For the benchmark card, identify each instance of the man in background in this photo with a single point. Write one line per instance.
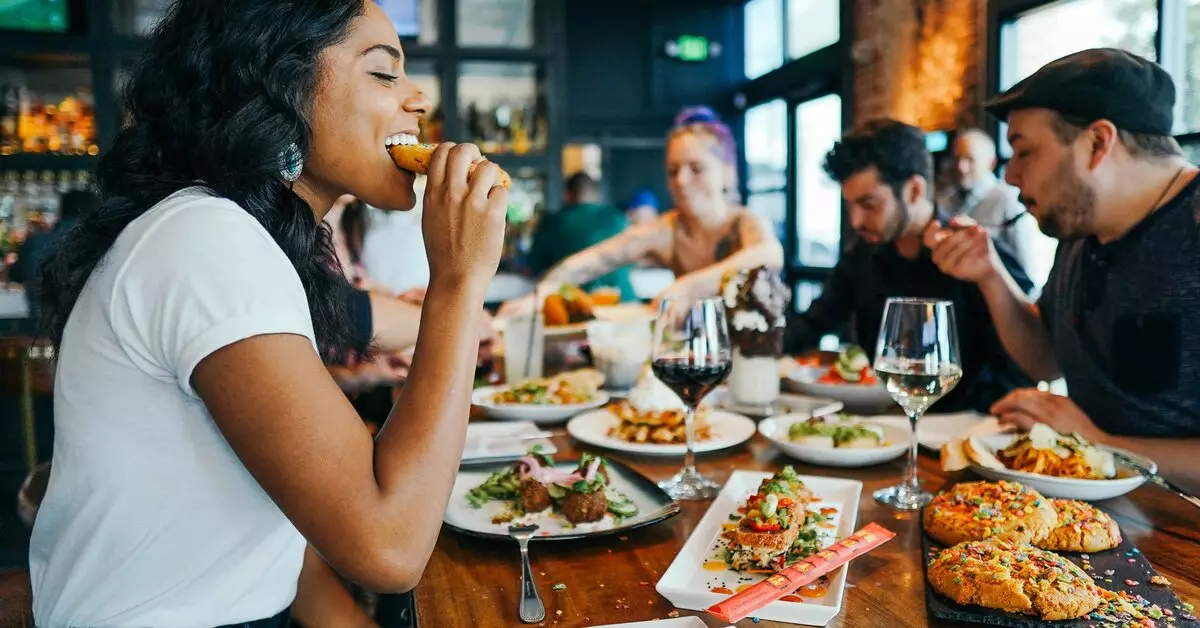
(583, 221)
(977, 193)
(886, 175)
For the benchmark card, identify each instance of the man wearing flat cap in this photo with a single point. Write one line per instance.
(1119, 318)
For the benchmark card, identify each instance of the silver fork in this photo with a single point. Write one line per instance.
(532, 610)
(1155, 478)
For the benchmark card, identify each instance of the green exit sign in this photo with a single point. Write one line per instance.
(692, 48)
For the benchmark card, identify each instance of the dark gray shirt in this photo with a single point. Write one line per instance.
(1125, 322)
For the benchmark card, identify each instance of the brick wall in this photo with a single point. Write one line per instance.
(921, 61)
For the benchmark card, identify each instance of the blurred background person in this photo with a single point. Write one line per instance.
(583, 221)
(642, 208)
(705, 236)
(977, 193)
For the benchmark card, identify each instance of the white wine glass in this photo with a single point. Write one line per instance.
(917, 360)
(692, 355)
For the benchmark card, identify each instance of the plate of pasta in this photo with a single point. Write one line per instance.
(1057, 465)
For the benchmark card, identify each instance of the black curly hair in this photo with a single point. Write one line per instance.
(224, 88)
(897, 150)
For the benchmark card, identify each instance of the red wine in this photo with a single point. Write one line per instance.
(692, 381)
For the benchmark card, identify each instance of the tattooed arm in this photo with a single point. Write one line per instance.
(628, 247)
(759, 247)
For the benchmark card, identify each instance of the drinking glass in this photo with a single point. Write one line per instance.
(692, 355)
(917, 360)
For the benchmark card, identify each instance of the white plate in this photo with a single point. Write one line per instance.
(935, 430)
(535, 412)
(654, 505)
(1068, 488)
(687, 584)
(726, 430)
(793, 404)
(775, 429)
(857, 397)
(495, 442)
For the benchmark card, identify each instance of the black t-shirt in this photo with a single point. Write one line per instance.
(1125, 322)
(868, 275)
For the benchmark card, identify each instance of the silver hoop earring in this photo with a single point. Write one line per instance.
(292, 163)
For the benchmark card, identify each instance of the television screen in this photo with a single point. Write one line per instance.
(34, 15)
(405, 15)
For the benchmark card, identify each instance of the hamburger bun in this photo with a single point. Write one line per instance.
(415, 158)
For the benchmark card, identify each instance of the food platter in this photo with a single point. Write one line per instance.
(695, 581)
(895, 443)
(652, 505)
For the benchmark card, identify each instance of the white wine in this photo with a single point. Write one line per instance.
(914, 385)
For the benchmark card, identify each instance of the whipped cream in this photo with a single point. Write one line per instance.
(651, 395)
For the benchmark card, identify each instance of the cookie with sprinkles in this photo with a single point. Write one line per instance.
(1014, 577)
(1081, 528)
(975, 511)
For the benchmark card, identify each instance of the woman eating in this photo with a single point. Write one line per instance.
(199, 439)
(706, 235)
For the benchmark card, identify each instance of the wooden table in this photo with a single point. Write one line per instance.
(474, 582)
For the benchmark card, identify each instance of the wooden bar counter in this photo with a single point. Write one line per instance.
(475, 582)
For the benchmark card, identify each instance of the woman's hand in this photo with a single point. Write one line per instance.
(1022, 408)
(464, 216)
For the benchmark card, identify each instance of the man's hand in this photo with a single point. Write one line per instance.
(1027, 406)
(962, 250)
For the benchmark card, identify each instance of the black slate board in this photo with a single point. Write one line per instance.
(1117, 560)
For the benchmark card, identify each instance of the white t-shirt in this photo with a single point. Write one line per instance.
(150, 519)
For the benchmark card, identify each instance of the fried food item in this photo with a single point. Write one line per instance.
(415, 158)
(579, 507)
(775, 515)
(579, 304)
(1081, 528)
(555, 312)
(534, 495)
(974, 511)
(1014, 577)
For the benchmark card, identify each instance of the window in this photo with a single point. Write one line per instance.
(818, 198)
(766, 162)
(1036, 37)
(764, 36)
(811, 26)
(495, 23)
(782, 30)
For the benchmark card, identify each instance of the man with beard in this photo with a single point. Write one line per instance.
(1119, 318)
(885, 173)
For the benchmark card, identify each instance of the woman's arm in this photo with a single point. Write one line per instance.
(760, 247)
(372, 508)
(623, 249)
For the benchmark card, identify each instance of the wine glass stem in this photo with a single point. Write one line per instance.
(911, 483)
(689, 459)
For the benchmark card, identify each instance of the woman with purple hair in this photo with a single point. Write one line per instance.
(708, 233)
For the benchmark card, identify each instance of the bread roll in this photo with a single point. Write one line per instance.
(416, 157)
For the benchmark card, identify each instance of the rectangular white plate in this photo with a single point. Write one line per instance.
(687, 584)
(495, 441)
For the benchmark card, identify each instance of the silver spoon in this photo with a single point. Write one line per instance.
(532, 610)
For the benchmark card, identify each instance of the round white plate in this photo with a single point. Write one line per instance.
(726, 430)
(803, 379)
(775, 429)
(1068, 488)
(786, 404)
(535, 412)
